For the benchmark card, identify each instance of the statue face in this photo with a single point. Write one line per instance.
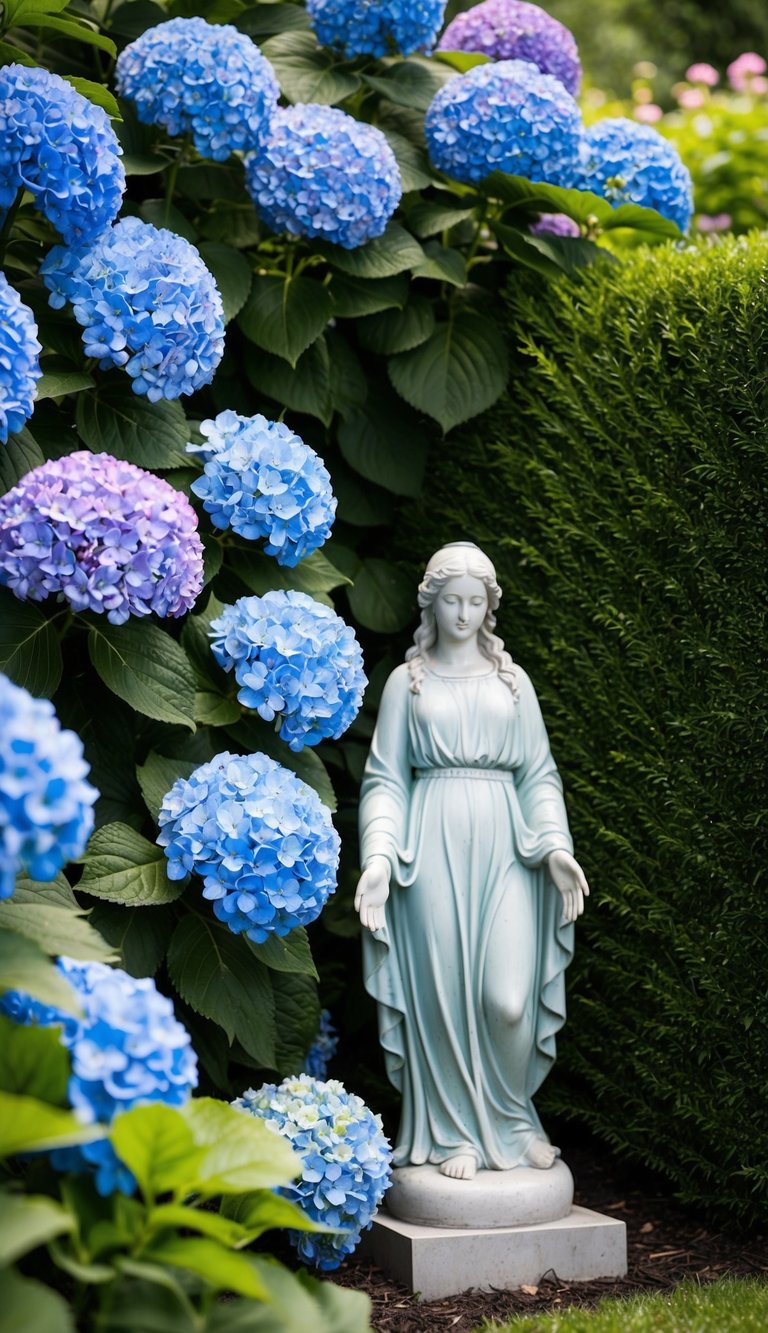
(460, 608)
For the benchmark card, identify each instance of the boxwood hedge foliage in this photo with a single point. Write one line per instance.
(622, 489)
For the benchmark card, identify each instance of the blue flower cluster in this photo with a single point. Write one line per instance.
(377, 27)
(505, 117)
(261, 840)
(147, 303)
(346, 1160)
(261, 480)
(294, 659)
(19, 360)
(46, 805)
(323, 1048)
(630, 163)
(60, 147)
(104, 535)
(516, 30)
(203, 79)
(127, 1050)
(322, 173)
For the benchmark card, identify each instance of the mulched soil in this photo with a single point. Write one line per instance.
(665, 1243)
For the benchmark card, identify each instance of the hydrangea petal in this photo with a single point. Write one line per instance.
(377, 27)
(629, 163)
(516, 30)
(19, 360)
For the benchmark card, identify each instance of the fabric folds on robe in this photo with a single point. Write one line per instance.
(461, 794)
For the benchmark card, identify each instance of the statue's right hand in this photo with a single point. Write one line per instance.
(372, 893)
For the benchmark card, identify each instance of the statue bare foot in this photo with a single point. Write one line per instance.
(461, 1167)
(541, 1154)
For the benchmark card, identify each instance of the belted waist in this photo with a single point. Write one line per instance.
(495, 774)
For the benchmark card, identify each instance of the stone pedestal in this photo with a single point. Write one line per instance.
(422, 1194)
(436, 1262)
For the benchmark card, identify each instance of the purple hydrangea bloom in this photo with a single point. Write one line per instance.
(322, 173)
(377, 27)
(19, 360)
(346, 1160)
(147, 303)
(127, 1050)
(629, 163)
(555, 224)
(295, 660)
(104, 535)
(261, 480)
(505, 117)
(261, 840)
(46, 805)
(60, 147)
(516, 30)
(203, 79)
(323, 1048)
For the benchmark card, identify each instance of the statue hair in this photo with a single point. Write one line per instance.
(448, 563)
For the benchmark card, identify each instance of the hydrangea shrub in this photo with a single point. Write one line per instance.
(19, 360)
(262, 481)
(127, 1049)
(146, 303)
(203, 79)
(517, 30)
(60, 147)
(46, 804)
(377, 27)
(260, 839)
(629, 163)
(321, 173)
(323, 1048)
(103, 535)
(294, 660)
(346, 1159)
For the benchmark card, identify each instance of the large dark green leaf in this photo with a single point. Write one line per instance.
(147, 668)
(284, 315)
(315, 574)
(394, 252)
(19, 456)
(299, 1009)
(26, 1223)
(307, 72)
(24, 967)
(353, 297)
(297, 1302)
(581, 205)
(265, 20)
(57, 383)
(382, 441)
(32, 1307)
(411, 83)
(140, 934)
(305, 388)
(550, 255)
(57, 929)
(288, 954)
(33, 1062)
(398, 330)
(382, 597)
(115, 420)
(413, 163)
(29, 1125)
(231, 273)
(121, 866)
(428, 218)
(29, 646)
(443, 264)
(460, 371)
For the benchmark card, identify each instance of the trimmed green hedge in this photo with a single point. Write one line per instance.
(622, 489)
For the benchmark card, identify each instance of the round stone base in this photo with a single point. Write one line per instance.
(521, 1197)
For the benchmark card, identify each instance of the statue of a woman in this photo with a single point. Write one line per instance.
(469, 887)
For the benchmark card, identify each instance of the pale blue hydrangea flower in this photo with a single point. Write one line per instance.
(346, 1160)
(60, 147)
(322, 173)
(127, 1050)
(516, 30)
(146, 303)
(103, 535)
(630, 163)
(323, 1048)
(377, 27)
(46, 805)
(261, 480)
(505, 117)
(19, 360)
(295, 660)
(260, 839)
(203, 79)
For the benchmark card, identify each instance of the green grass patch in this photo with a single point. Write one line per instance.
(730, 1306)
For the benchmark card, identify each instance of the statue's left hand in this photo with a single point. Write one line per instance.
(570, 879)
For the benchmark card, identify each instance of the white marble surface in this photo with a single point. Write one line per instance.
(493, 1199)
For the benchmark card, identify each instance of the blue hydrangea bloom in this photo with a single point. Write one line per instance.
(46, 805)
(60, 147)
(294, 659)
(323, 1048)
(377, 27)
(146, 302)
(261, 480)
(630, 163)
(19, 360)
(127, 1050)
(103, 535)
(346, 1160)
(505, 117)
(261, 840)
(203, 79)
(516, 30)
(322, 173)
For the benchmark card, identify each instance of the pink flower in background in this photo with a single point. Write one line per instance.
(691, 98)
(702, 73)
(649, 113)
(759, 84)
(742, 70)
(711, 222)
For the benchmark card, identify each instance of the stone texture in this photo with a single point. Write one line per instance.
(493, 1199)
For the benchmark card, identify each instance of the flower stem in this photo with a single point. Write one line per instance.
(8, 221)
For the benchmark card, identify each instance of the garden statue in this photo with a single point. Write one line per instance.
(469, 889)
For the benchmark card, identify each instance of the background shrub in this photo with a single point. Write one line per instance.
(621, 487)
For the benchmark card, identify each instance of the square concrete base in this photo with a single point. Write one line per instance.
(439, 1261)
